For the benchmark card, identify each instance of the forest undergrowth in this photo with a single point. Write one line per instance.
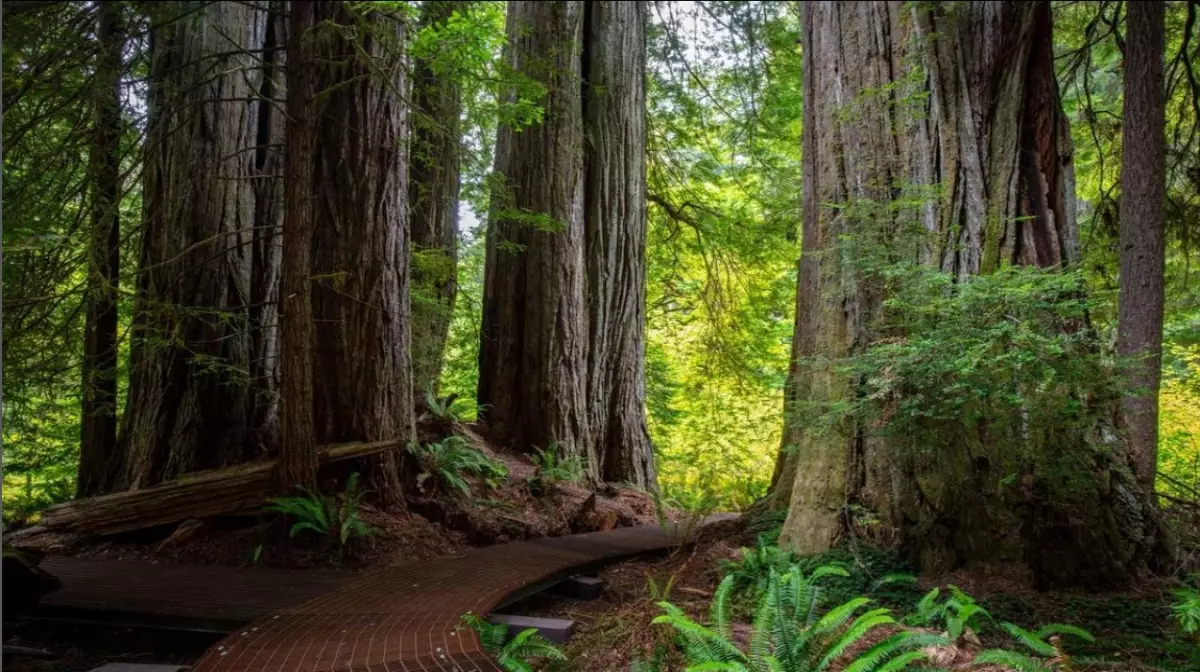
(655, 614)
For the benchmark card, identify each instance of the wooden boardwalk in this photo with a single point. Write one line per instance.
(398, 619)
(187, 597)
(408, 618)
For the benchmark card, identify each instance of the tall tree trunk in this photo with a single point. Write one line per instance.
(961, 97)
(268, 223)
(1143, 194)
(614, 60)
(360, 281)
(779, 494)
(533, 355)
(433, 188)
(98, 458)
(188, 392)
(297, 440)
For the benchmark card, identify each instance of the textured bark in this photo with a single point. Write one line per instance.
(188, 392)
(533, 355)
(362, 339)
(614, 60)
(433, 188)
(268, 225)
(297, 444)
(1143, 194)
(197, 495)
(99, 461)
(981, 120)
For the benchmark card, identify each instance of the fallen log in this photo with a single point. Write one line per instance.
(200, 494)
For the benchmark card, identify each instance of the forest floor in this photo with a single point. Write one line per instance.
(435, 522)
(1133, 628)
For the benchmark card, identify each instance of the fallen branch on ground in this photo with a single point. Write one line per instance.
(200, 494)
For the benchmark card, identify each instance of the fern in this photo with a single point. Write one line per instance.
(1018, 662)
(752, 572)
(334, 517)
(1186, 610)
(787, 635)
(551, 467)
(1064, 629)
(447, 409)
(512, 655)
(449, 462)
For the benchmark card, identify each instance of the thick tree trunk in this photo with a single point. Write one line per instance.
(99, 461)
(433, 189)
(297, 444)
(268, 226)
(1143, 194)
(188, 393)
(362, 338)
(900, 99)
(614, 62)
(533, 355)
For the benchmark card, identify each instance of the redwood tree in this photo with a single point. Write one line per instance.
(562, 359)
(99, 461)
(1143, 247)
(615, 221)
(267, 241)
(958, 104)
(533, 355)
(433, 188)
(297, 439)
(187, 405)
(361, 364)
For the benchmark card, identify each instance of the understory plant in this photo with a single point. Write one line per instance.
(751, 574)
(790, 634)
(334, 517)
(450, 461)
(961, 617)
(552, 467)
(514, 655)
(1186, 609)
(448, 409)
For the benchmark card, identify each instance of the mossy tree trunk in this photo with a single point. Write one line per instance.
(189, 385)
(956, 102)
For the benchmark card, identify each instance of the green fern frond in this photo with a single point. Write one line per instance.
(859, 628)
(839, 615)
(718, 666)
(900, 643)
(529, 644)
(901, 662)
(893, 579)
(1029, 640)
(1018, 662)
(720, 608)
(827, 570)
(1064, 629)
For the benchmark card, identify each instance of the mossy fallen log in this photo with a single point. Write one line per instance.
(200, 494)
